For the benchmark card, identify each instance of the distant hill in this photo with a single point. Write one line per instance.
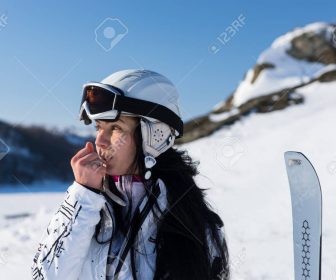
(35, 153)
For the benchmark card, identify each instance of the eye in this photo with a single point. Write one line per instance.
(112, 128)
(115, 127)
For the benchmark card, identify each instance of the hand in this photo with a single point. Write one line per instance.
(88, 169)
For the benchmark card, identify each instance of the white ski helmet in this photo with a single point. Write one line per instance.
(142, 93)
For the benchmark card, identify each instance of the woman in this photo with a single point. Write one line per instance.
(134, 210)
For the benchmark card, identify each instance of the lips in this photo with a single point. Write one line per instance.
(105, 157)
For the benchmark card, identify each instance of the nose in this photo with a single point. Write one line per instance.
(102, 140)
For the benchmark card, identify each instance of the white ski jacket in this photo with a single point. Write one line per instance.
(69, 250)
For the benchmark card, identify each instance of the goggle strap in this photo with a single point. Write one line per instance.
(149, 109)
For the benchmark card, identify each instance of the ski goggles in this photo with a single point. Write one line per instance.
(101, 101)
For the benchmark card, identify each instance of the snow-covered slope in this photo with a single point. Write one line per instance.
(286, 71)
(245, 169)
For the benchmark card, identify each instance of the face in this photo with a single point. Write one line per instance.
(116, 146)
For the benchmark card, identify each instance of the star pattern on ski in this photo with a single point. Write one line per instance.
(305, 250)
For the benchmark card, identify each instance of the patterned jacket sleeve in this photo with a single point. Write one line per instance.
(65, 243)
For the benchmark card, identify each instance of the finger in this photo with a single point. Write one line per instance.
(80, 153)
(94, 165)
(86, 150)
(87, 158)
(101, 170)
(89, 145)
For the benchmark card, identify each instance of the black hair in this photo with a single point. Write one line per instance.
(182, 246)
(181, 243)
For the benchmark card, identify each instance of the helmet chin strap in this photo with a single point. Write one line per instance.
(157, 137)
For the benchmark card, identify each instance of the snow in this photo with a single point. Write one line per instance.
(288, 71)
(20, 236)
(316, 27)
(244, 168)
(222, 116)
(328, 68)
(218, 105)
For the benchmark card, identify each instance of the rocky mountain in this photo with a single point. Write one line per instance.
(295, 60)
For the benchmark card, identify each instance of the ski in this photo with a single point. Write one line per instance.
(306, 198)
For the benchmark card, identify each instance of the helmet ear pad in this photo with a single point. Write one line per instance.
(157, 137)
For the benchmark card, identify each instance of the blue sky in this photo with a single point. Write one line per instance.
(48, 49)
